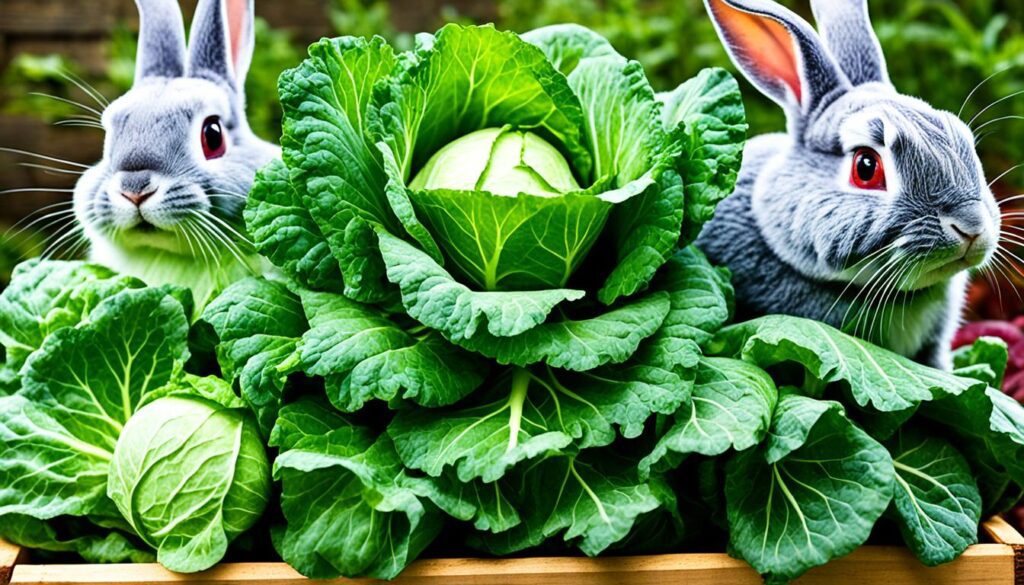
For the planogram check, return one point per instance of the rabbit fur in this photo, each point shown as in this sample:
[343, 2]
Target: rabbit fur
[158, 206]
[803, 233]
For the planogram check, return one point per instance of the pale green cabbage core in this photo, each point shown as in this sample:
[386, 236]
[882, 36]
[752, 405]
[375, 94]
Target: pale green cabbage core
[500, 161]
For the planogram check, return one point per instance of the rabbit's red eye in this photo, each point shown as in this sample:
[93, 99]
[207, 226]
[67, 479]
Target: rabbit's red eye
[867, 172]
[213, 138]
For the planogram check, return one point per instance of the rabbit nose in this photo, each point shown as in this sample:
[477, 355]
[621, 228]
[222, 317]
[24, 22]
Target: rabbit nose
[963, 230]
[136, 186]
[137, 198]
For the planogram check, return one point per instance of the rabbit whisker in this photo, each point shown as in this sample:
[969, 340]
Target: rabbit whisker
[866, 289]
[43, 156]
[1009, 277]
[86, 87]
[64, 203]
[200, 243]
[1006, 172]
[867, 261]
[78, 124]
[901, 280]
[1006, 200]
[996, 120]
[878, 302]
[984, 135]
[993, 104]
[77, 251]
[960, 113]
[1006, 268]
[184, 231]
[1012, 258]
[49, 218]
[204, 245]
[49, 169]
[218, 237]
[909, 299]
[71, 103]
[241, 237]
[76, 231]
[881, 303]
[989, 275]
[872, 305]
[36, 190]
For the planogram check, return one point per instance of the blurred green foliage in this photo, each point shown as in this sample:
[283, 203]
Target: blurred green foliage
[16, 245]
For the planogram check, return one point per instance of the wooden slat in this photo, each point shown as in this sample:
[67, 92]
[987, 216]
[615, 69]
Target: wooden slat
[1000, 531]
[985, 564]
[8, 557]
[56, 17]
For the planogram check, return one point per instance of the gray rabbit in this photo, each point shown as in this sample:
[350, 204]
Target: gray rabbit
[868, 213]
[165, 202]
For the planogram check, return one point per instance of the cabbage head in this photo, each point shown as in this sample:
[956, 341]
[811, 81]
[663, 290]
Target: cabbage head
[189, 475]
[487, 178]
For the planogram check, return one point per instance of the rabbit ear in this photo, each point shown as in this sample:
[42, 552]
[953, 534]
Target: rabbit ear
[846, 29]
[161, 50]
[778, 52]
[221, 40]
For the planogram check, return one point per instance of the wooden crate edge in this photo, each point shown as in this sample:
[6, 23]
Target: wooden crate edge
[1005, 558]
[9, 555]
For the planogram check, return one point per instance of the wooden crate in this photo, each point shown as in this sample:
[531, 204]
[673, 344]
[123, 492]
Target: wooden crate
[1000, 561]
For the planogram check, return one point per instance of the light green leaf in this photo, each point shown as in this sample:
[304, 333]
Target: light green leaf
[47, 295]
[730, 408]
[93, 377]
[565, 45]
[37, 445]
[624, 133]
[476, 77]
[493, 509]
[701, 297]
[350, 509]
[336, 168]
[985, 420]
[362, 354]
[434, 298]
[67, 534]
[936, 499]
[478, 441]
[818, 502]
[258, 323]
[646, 230]
[283, 230]
[706, 118]
[983, 360]
[430, 372]
[526, 242]
[593, 500]
[9, 381]
[526, 416]
[578, 345]
[622, 126]
[883, 379]
[311, 416]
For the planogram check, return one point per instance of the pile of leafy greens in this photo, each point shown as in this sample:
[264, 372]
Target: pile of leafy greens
[109, 447]
[487, 333]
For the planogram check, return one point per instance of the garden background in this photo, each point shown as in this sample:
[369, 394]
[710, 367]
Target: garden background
[937, 49]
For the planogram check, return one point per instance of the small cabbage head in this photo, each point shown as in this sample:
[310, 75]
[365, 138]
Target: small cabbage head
[189, 475]
[500, 161]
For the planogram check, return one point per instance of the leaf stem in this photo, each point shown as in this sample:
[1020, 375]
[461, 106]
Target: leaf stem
[520, 384]
[813, 387]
